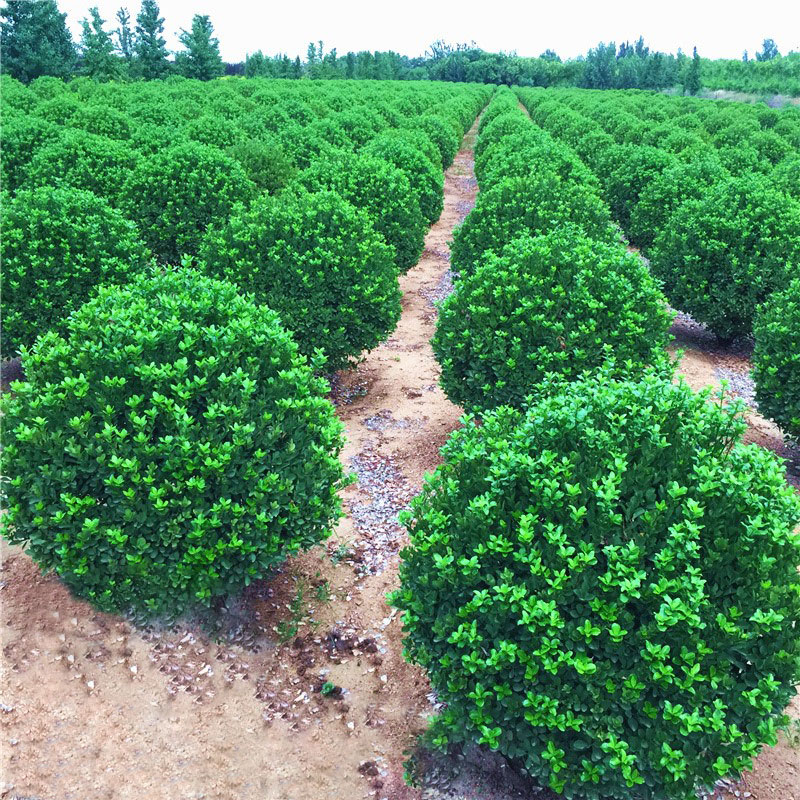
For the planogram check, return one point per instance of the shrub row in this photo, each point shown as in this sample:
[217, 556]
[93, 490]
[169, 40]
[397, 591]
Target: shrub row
[181, 160]
[602, 580]
[544, 284]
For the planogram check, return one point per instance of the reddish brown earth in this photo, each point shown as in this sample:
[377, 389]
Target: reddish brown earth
[95, 708]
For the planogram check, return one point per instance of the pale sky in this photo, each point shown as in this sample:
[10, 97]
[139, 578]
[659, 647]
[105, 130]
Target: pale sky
[719, 29]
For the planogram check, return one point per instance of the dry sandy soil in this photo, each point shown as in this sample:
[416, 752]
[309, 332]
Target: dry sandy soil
[95, 707]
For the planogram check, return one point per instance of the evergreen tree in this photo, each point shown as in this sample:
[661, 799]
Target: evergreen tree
[691, 81]
[255, 65]
[297, 68]
[769, 50]
[35, 40]
[149, 48]
[201, 59]
[97, 50]
[124, 35]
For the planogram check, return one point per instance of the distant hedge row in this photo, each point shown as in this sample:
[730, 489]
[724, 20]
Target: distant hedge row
[544, 284]
[182, 159]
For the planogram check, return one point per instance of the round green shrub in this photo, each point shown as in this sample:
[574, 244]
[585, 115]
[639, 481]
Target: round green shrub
[383, 191]
[776, 358]
[171, 449]
[558, 303]
[58, 246]
[441, 133]
[265, 163]
[103, 121]
[626, 171]
[786, 176]
[23, 136]
[721, 254]
[213, 130]
[176, 194]
[533, 204]
[427, 180]
[665, 193]
[318, 262]
[517, 155]
[84, 161]
[605, 587]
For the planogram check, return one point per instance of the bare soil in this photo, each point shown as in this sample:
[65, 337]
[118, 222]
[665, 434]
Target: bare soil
[94, 707]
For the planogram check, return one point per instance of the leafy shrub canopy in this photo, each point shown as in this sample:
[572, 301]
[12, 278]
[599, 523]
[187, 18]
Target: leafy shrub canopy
[319, 263]
[776, 358]
[605, 587]
[557, 303]
[427, 180]
[534, 205]
[383, 191]
[721, 254]
[58, 246]
[176, 194]
[171, 449]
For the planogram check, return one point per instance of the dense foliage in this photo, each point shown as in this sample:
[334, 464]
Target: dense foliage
[383, 191]
[725, 252]
[555, 304]
[318, 262]
[605, 587]
[532, 204]
[170, 449]
[58, 246]
[426, 179]
[776, 358]
[176, 194]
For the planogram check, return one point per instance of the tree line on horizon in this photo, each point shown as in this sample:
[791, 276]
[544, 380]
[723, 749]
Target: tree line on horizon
[36, 42]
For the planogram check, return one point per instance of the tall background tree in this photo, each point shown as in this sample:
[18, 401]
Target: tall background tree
[692, 80]
[769, 50]
[35, 40]
[97, 50]
[150, 46]
[124, 35]
[201, 58]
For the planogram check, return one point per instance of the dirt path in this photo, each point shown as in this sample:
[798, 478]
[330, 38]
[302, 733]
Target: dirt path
[94, 708]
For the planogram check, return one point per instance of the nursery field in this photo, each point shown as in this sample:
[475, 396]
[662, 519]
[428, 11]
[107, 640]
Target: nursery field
[359, 412]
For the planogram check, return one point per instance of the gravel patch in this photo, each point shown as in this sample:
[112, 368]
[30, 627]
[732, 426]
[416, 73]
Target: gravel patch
[687, 330]
[435, 294]
[376, 520]
[740, 383]
[384, 421]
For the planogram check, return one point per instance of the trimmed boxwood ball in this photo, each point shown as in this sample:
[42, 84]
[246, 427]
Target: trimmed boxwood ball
[318, 262]
[176, 194]
[172, 448]
[383, 191]
[626, 171]
[776, 358]
[442, 133]
[23, 136]
[86, 161]
[264, 162]
[427, 180]
[721, 255]
[58, 246]
[605, 587]
[666, 192]
[533, 204]
[559, 303]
